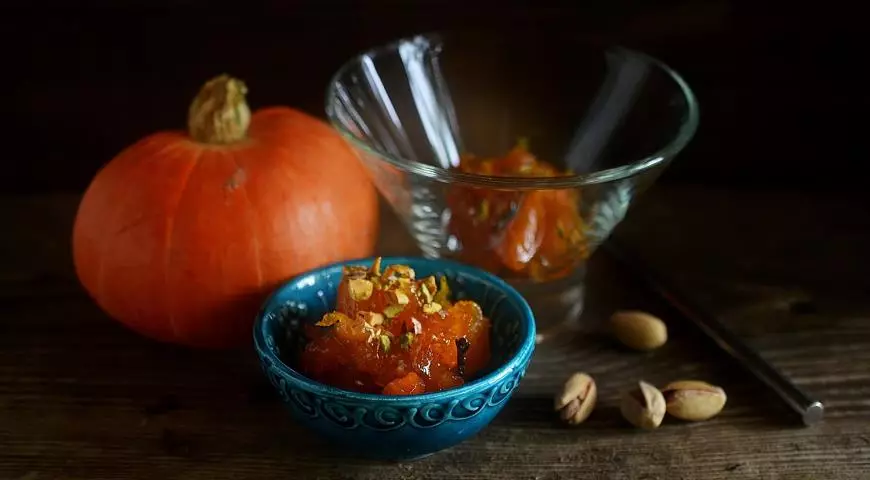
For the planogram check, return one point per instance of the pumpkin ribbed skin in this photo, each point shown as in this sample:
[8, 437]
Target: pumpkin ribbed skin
[182, 240]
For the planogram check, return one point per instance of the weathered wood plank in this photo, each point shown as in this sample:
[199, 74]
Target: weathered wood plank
[81, 397]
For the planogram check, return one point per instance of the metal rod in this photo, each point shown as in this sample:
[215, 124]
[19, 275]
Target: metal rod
[810, 410]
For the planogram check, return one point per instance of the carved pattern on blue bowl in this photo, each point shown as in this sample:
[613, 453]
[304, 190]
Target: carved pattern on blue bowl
[351, 415]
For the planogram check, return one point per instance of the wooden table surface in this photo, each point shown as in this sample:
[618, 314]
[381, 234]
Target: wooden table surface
[83, 398]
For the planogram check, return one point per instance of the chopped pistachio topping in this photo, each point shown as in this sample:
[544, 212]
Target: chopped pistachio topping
[376, 267]
[432, 307]
[392, 311]
[399, 271]
[406, 340]
[360, 289]
[371, 331]
[429, 286]
[371, 318]
[354, 272]
[418, 327]
[427, 295]
[443, 293]
[398, 297]
[385, 343]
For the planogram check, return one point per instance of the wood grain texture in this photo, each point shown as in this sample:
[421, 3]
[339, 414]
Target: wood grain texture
[83, 398]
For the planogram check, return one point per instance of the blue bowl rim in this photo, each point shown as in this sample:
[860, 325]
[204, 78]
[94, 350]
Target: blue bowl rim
[630, 168]
[493, 378]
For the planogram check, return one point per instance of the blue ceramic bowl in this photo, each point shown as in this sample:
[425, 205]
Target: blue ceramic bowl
[395, 427]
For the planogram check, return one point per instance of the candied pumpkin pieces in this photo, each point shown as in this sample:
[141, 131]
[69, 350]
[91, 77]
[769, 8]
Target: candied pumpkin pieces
[539, 234]
[395, 334]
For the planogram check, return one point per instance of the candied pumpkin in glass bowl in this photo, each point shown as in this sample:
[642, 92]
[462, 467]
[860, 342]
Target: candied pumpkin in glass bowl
[395, 358]
[437, 121]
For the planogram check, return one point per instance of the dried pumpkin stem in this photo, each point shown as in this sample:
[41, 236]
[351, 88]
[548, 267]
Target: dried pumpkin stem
[219, 113]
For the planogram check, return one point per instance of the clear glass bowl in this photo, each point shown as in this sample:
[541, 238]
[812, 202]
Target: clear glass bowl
[611, 118]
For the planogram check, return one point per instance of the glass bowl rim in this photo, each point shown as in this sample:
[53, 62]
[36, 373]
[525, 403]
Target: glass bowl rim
[516, 362]
[684, 135]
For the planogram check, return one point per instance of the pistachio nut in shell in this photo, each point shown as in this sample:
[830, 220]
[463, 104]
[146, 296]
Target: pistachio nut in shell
[638, 330]
[577, 398]
[643, 406]
[694, 400]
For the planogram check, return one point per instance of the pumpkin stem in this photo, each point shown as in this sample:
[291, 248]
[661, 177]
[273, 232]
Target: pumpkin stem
[219, 113]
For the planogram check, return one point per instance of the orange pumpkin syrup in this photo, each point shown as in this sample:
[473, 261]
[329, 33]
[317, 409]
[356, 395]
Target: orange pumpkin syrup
[395, 334]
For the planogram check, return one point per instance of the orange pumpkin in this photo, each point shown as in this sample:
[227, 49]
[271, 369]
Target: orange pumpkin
[181, 236]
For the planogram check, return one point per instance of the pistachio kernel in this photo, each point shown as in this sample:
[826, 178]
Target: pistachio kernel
[418, 327]
[398, 297]
[432, 308]
[354, 272]
[385, 343]
[393, 311]
[406, 340]
[360, 289]
[371, 318]
[431, 285]
[443, 293]
[427, 294]
[399, 271]
[376, 267]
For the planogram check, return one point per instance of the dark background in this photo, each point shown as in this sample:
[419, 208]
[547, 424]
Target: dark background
[782, 90]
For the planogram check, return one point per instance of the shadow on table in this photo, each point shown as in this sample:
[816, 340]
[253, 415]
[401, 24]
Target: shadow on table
[89, 384]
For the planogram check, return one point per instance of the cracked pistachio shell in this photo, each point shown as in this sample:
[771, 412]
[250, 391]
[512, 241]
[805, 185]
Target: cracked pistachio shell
[577, 398]
[643, 406]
